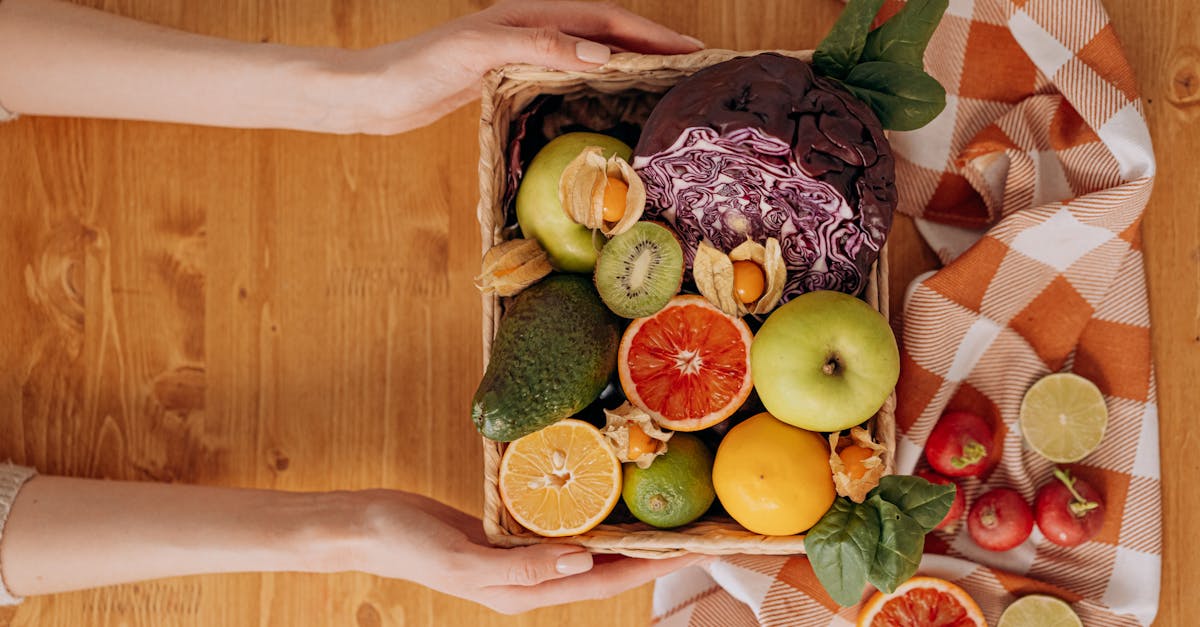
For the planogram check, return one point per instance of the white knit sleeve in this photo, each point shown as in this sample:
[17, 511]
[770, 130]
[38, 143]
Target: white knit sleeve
[11, 479]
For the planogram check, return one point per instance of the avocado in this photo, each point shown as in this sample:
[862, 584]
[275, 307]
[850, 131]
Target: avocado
[553, 354]
[572, 247]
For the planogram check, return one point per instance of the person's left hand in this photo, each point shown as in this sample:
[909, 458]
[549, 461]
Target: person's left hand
[411, 83]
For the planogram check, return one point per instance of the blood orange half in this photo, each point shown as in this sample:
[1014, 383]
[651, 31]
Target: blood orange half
[688, 365]
[925, 601]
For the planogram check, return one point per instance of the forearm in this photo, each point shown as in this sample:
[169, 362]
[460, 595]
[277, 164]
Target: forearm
[69, 534]
[60, 59]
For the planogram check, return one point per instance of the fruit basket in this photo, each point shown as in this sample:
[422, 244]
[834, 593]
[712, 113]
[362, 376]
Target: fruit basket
[506, 93]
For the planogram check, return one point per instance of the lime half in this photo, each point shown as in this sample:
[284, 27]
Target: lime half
[1039, 610]
[1063, 417]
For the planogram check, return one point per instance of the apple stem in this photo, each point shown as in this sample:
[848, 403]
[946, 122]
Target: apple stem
[1079, 506]
[972, 453]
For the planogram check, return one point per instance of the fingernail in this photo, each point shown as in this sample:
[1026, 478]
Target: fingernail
[574, 563]
[592, 52]
[695, 42]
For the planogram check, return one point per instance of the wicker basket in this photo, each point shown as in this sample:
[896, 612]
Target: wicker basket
[506, 92]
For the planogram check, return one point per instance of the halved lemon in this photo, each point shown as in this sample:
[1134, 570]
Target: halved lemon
[1063, 417]
[924, 601]
[1039, 610]
[560, 481]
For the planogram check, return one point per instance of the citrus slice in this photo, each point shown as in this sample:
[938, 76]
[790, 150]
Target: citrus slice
[560, 481]
[687, 366]
[1063, 417]
[1039, 610]
[924, 601]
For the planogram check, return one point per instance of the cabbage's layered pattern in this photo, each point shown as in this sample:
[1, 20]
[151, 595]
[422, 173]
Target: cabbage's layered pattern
[761, 147]
[746, 185]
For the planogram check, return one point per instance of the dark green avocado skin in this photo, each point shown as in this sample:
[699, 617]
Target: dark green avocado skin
[552, 356]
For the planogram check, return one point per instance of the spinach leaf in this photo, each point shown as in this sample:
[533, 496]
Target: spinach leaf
[880, 540]
[841, 48]
[927, 503]
[901, 543]
[902, 39]
[904, 97]
[841, 548]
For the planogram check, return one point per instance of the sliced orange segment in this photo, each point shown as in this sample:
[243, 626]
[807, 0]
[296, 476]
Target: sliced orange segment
[560, 481]
[688, 365]
[924, 601]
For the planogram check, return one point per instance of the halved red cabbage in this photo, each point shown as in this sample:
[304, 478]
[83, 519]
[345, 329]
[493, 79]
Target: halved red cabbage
[759, 147]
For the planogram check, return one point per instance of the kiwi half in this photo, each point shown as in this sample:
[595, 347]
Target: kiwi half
[639, 270]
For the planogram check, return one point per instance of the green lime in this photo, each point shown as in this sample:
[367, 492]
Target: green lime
[1063, 417]
[1039, 610]
[676, 489]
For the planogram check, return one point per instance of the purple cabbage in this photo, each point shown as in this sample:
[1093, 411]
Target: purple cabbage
[759, 147]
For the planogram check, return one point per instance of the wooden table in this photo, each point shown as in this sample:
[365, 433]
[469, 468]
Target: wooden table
[296, 311]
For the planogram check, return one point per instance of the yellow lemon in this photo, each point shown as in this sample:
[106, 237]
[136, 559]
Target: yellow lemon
[560, 481]
[773, 478]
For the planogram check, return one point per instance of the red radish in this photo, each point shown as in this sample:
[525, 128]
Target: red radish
[960, 445]
[1069, 511]
[960, 499]
[1000, 520]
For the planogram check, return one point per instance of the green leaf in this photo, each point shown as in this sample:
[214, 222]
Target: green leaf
[926, 502]
[841, 548]
[841, 48]
[903, 38]
[901, 543]
[903, 97]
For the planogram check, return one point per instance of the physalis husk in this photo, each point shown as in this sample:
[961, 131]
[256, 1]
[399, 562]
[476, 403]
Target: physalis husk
[591, 187]
[511, 266]
[713, 271]
[856, 462]
[633, 436]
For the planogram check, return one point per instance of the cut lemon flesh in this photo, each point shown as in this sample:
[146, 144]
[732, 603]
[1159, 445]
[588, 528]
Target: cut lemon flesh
[1039, 610]
[1063, 417]
[560, 481]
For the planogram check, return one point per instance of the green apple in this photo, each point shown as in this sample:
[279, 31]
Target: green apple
[825, 361]
[571, 246]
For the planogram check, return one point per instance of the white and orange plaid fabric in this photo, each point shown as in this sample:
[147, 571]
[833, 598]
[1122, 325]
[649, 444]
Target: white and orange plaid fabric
[1031, 187]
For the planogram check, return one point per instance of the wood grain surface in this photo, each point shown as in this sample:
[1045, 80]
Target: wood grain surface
[295, 311]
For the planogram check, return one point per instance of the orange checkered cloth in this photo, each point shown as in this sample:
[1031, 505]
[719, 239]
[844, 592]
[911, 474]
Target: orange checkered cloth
[1030, 186]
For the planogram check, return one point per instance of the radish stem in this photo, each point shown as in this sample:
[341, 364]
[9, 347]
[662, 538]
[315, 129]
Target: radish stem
[1080, 506]
[972, 453]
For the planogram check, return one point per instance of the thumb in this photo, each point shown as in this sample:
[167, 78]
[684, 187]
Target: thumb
[531, 565]
[552, 48]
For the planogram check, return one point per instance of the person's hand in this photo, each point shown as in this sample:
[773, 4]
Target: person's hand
[124, 69]
[419, 539]
[66, 534]
[414, 82]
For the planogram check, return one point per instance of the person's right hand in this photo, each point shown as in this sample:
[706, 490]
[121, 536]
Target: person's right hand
[419, 539]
